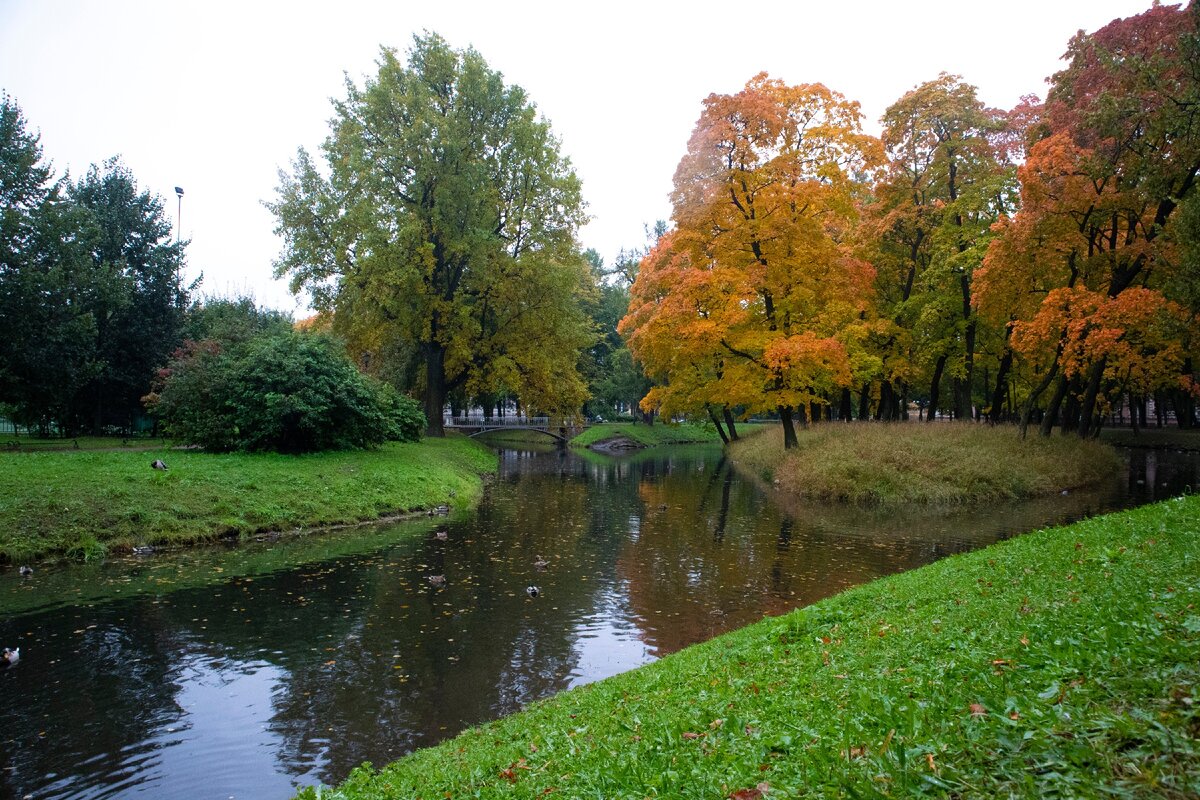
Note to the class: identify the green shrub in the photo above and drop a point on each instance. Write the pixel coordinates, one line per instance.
(285, 391)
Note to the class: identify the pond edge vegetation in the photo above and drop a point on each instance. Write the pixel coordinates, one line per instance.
(1063, 662)
(86, 503)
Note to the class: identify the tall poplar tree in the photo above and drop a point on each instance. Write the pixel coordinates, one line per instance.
(444, 226)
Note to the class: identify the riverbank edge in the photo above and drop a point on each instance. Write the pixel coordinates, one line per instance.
(81, 505)
(1066, 660)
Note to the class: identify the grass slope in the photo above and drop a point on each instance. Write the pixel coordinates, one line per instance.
(647, 435)
(939, 464)
(80, 503)
(1063, 663)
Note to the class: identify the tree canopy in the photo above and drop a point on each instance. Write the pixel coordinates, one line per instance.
(442, 230)
(743, 303)
(91, 300)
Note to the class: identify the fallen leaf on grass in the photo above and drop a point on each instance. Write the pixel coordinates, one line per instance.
(978, 710)
(751, 794)
(932, 766)
(690, 735)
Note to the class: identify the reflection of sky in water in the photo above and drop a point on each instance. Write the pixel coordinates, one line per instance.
(228, 705)
(607, 642)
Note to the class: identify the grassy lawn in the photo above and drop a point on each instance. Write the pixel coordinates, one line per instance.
(647, 435)
(1062, 663)
(942, 464)
(81, 503)
(32, 444)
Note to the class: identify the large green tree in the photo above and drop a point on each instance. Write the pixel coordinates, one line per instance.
(45, 325)
(137, 301)
(90, 296)
(444, 226)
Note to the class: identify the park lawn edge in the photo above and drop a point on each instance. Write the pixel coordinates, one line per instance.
(1064, 662)
(83, 504)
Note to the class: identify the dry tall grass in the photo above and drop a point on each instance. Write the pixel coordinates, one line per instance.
(944, 464)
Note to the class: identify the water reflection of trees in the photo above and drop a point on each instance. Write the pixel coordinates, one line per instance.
(372, 661)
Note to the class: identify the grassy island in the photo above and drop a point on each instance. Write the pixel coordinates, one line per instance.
(81, 503)
(938, 464)
(1062, 663)
(639, 435)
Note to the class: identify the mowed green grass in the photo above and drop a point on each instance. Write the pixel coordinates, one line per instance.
(659, 433)
(83, 503)
(1062, 663)
(937, 464)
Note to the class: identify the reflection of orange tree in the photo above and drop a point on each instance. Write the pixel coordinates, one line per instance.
(711, 556)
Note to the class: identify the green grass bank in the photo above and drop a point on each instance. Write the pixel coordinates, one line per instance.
(659, 433)
(83, 503)
(905, 464)
(1062, 663)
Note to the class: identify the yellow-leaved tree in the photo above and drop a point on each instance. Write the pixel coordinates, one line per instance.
(750, 300)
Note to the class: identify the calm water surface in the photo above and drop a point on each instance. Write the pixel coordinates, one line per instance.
(247, 672)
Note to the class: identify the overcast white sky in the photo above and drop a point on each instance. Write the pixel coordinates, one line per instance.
(216, 96)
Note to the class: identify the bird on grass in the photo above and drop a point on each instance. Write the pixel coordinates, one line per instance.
(158, 464)
(10, 656)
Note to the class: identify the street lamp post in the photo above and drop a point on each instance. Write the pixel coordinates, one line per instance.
(179, 216)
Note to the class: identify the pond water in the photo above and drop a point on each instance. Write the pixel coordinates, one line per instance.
(245, 672)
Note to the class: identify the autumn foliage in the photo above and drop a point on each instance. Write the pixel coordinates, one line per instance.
(746, 302)
(1039, 261)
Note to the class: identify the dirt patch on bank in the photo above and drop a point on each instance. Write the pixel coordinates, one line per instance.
(617, 444)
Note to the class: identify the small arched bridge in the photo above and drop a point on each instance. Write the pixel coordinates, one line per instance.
(562, 430)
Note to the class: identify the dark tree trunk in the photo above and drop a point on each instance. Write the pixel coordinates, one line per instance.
(934, 388)
(1051, 416)
(864, 402)
(846, 410)
(996, 409)
(1087, 424)
(814, 413)
(885, 401)
(1031, 403)
(435, 388)
(789, 429)
(717, 422)
(729, 424)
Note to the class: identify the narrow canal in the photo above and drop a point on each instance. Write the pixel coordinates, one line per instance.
(246, 672)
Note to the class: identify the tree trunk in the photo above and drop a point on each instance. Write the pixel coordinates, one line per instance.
(995, 410)
(934, 386)
(846, 410)
(789, 430)
(435, 388)
(715, 421)
(1087, 425)
(1031, 403)
(1051, 417)
(864, 402)
(885, 401)
(729, 424)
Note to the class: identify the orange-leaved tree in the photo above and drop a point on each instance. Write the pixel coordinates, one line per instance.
(747, 301)
(1079, 269)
